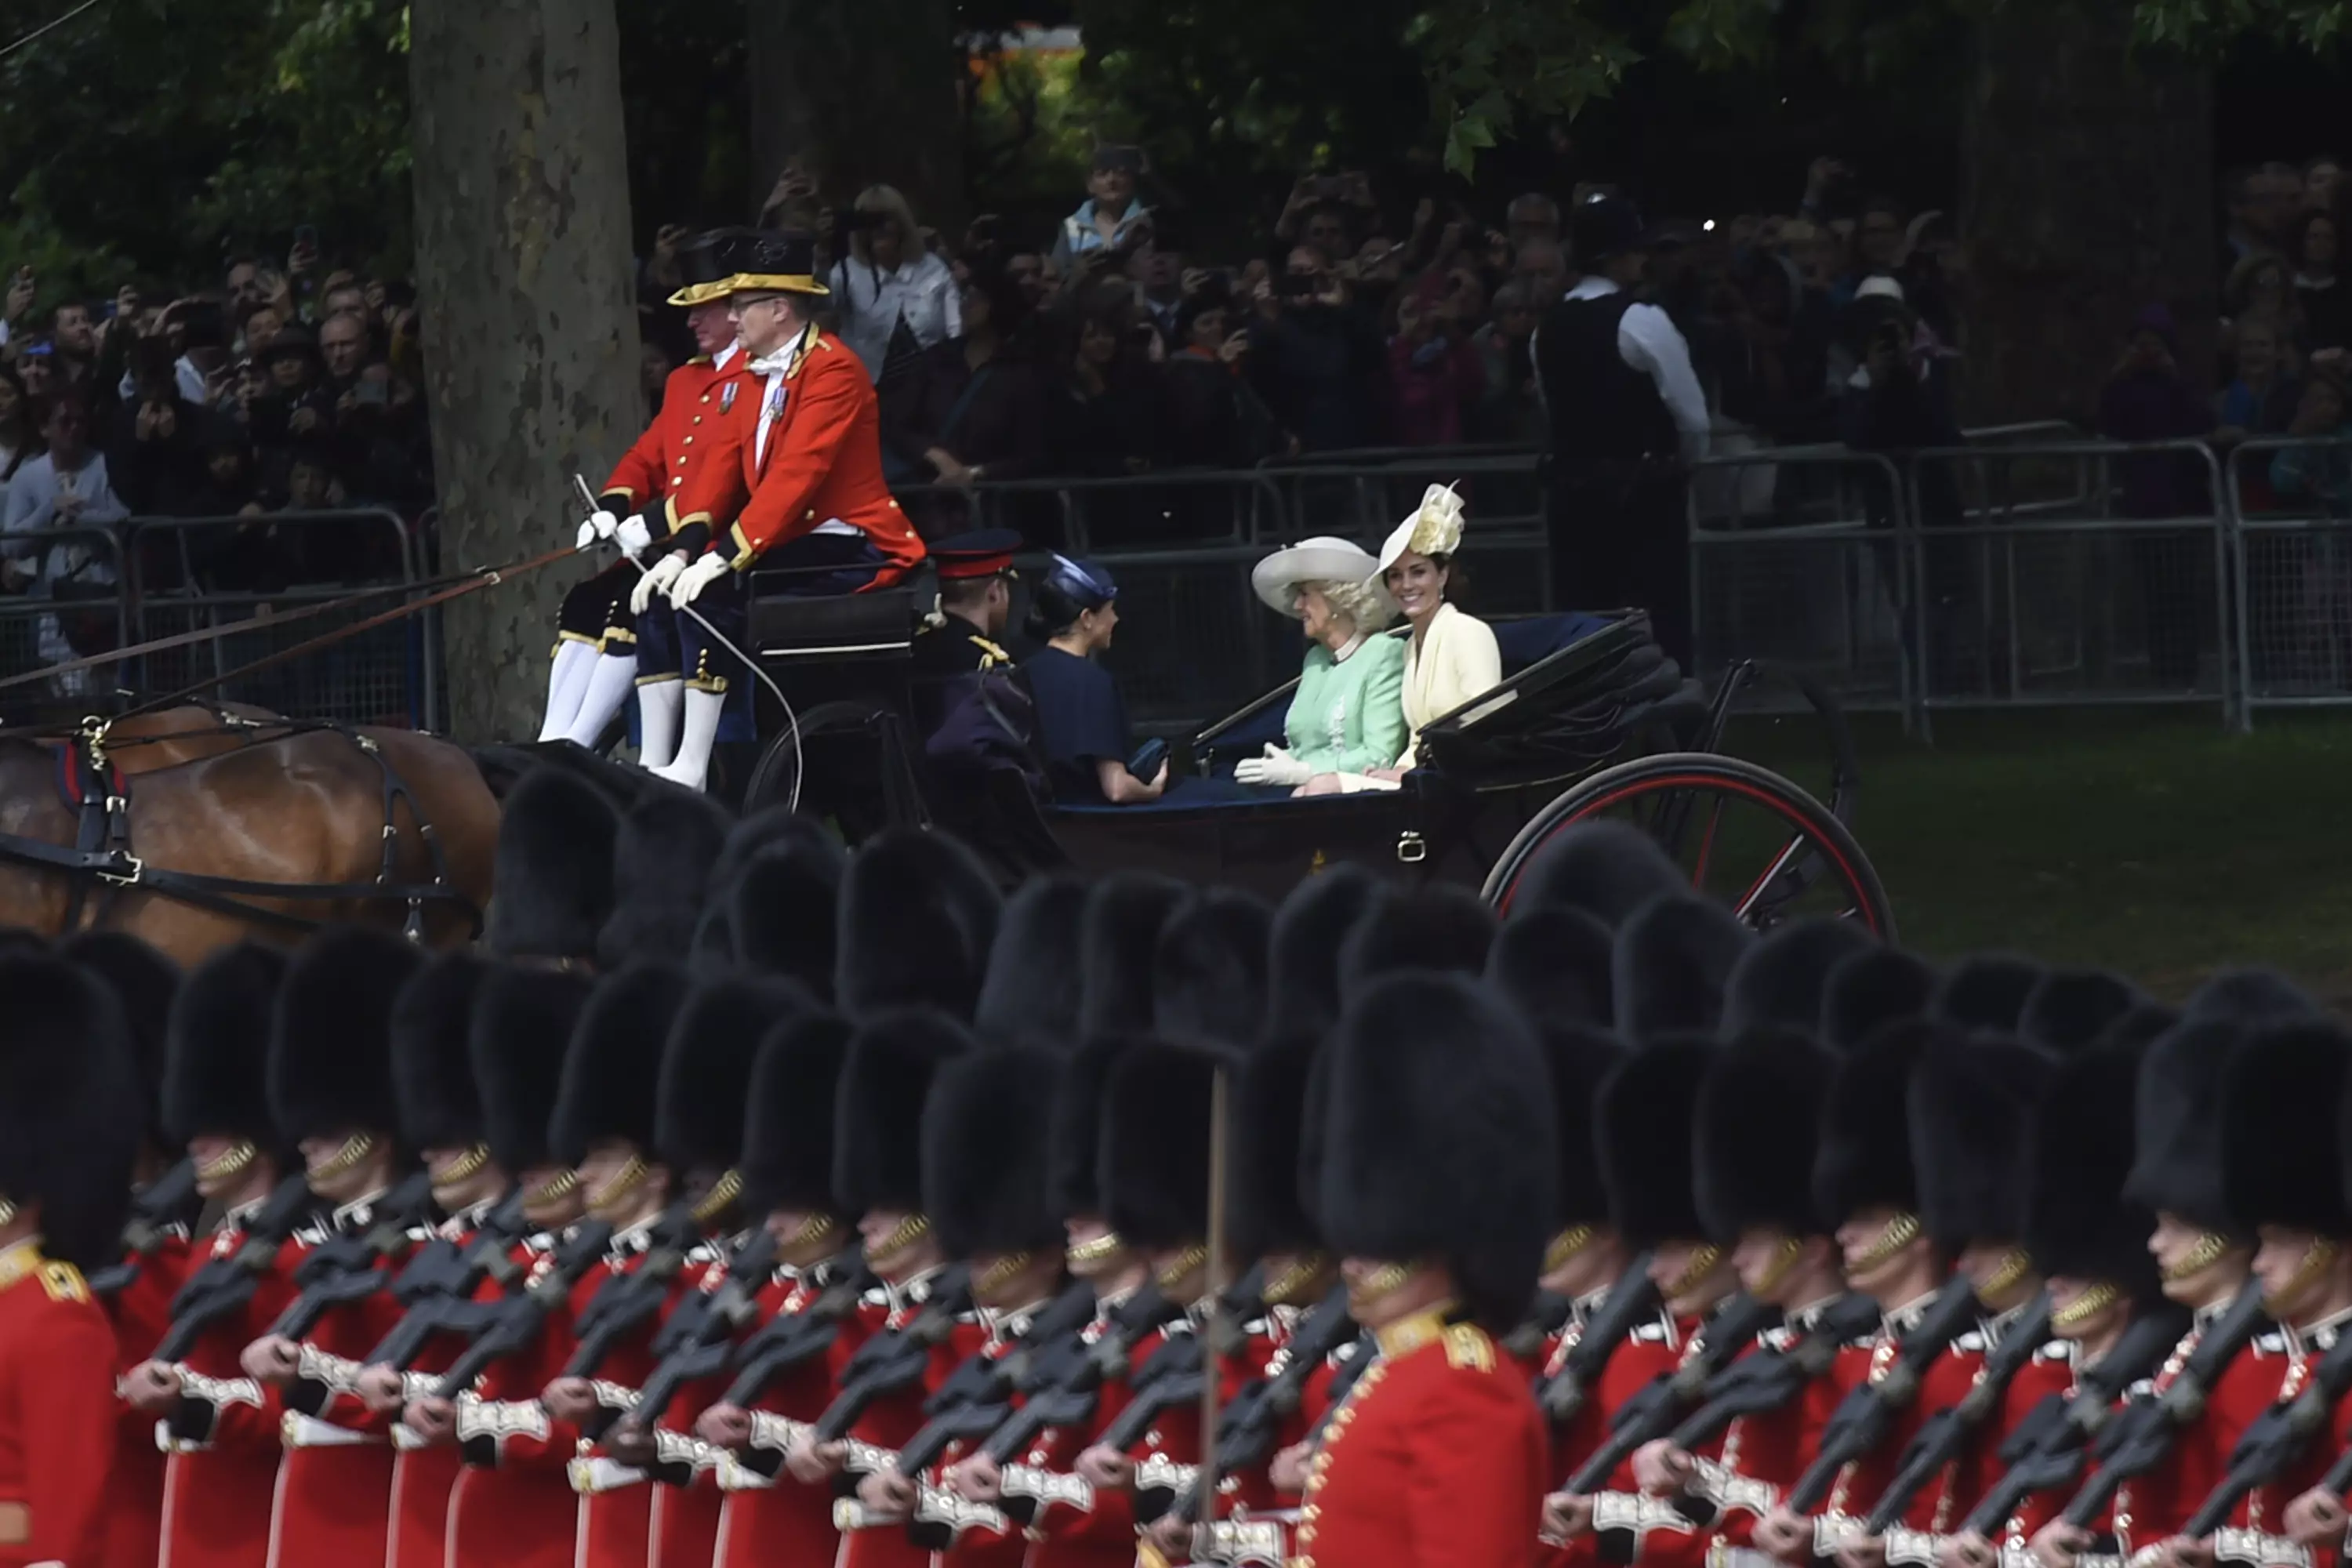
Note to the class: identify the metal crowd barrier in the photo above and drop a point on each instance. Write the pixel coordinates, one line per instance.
(64, 599)
(2292, 500)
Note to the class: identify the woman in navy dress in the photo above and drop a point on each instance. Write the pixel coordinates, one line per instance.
(1081, 719)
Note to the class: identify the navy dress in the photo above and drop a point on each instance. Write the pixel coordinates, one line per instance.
(1081, 720)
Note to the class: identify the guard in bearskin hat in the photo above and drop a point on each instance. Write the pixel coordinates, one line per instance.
(1553, 963)
(1871, 990)
(1609, 870)
(1036, 984)
(2203, 1251)
(70, 1120)
(2070, 1009)
(553, 868)
(1986, 992)
(1780, 981)
(1671, 965)
(1437, 1182)
(918, 914)
(782, 903)
(666, 854)
(1303, 946)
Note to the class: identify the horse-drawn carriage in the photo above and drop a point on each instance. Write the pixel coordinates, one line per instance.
(1591, 719)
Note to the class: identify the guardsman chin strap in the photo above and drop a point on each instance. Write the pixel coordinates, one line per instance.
(909, 1230)
(1703, 1260)
(7, 1211)
(720, 1198)
(2210, 1249)
(1567, 1245)
(356, 1149)
(230, 1162)
(1900, 1232)
(2015, 1265)
(625, 1180)
(462, 1169)
(555, 1189)
(2085, 1307)
(2318, 1259)
(1094, 1251)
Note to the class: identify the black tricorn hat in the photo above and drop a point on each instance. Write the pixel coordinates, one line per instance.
(1152, 1156)
(2251, 995)
(2176, 1129)
(2079, 1143)
(1076, 1122)
(1037, 977)
(1579, 1060)
(1607, 868)
(788, 1122)
(985, 1153)
(1310, 927)
(781, 904)
(1970, 1099)
(663, 858)
(144, 982)
(1865, 1160)
(706, 1072)
(1553, 964)
(1439, 928)
(1671, 965)
(1208, 972)
(1440, 1140)
(878, 1130)
(1603, 226)
(2072, 1008)
(1755, 1135)
(1118, 948)
(1987, 991)
(1866, 990)
(553, 868)
(523, 1020)
(215, 1071)
(2282, 1127)
(71, 1110)
(330, 1033)
(1641, 1124)
(1267, 1101)
(611, 1071)
(432, 1069)
(1779, 981)
(917, 916)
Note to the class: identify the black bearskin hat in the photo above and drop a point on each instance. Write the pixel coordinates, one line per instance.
(1756, 1134)
(878, 1130)
(2250, 997)
(611, 1071)
(552, 871)
(1553, 964)
(1986, 992)
(1609, 870)
(984, 1154)
(144, 982)
(2282, 1127)
(1118, 948)
(1440, 1140)
(521, 1032)
(706, 1071)
(2140, 1026)
(1864, 1156)
(781, 904)
(1578, 1060)
(2078, 1152)
(788, 1125)
(663, 859)
(2176, 1129)
(432, 1069)
(1035, 973)
(71, 1110)
(1869, 990)
(1267, 1100)
(1970, 1099)
(1077, 1124)
(1153, 1159)
(1672, 962)
(1642, 1127)
(330, 1033)
(2072, 1008)
(216, 1067)
(918, 917)
(1208, 972)
(1441, 928)
(1310, 928)
(1779, 981)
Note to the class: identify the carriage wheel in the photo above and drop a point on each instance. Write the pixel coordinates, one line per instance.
(847, 762)
(1741, 833)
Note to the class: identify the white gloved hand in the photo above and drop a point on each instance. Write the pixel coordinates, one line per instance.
(712, 567)
(633, 534)
(658, 576)
(599, 525)
(1277, 767)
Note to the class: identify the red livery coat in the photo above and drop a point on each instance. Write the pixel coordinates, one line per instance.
(56, 1410)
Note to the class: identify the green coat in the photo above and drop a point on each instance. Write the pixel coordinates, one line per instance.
(1348, 716)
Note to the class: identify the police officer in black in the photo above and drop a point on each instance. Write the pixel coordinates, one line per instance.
(1627, 419)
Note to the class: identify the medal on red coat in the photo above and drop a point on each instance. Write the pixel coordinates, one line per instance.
(727, 397)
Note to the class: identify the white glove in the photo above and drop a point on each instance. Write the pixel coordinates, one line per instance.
(1277, 767)
(658, 576)
(712, 567)
(633, 534)
(598, 526)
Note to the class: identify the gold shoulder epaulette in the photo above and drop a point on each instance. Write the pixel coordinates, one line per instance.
(63, 1282)
(701, 359)
(1468, 1346)
(996, 654)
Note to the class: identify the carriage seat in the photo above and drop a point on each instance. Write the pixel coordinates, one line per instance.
(879, 624)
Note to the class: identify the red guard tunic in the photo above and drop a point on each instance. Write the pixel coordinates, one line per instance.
(1437, 1458)
(2151, 1509)
(142, 1314)
(890, 1422)
(57, 1412)
(687, 1500)
(983, 1536)
(1073, 1525)
(779, 1522)
(1651, 1351)
(1628, 1525)
(2256, 1533)
(1256, 1519)
(513, 1506)
(616, 1500)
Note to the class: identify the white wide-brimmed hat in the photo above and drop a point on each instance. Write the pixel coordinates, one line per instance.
(1434, 529)
(1319, 560)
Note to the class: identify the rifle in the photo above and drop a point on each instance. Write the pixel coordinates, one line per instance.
(2136, 1441)
(1630, 1300)
(224, 1286)
(625, 1303)
(788, 1340)
(1941, 1438)
(347, 1268)
(515, 1323)
(1652, 1412)
(1069, 1385)
(438, 1282)
(2046, 1451)
(1862, 1420)
(2278, 1437)
(168, 1201)
(1545, 1319)
(2339, 1478)
(896, 1358)
(699, 1337)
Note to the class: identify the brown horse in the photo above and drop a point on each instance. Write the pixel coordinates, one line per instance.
(301, 807)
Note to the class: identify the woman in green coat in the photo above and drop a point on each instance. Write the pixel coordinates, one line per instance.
(1347, 714)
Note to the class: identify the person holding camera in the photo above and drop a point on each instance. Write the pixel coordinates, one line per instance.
(895, 297)
(1318, 360)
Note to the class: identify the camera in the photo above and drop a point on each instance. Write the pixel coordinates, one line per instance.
(1297, 285)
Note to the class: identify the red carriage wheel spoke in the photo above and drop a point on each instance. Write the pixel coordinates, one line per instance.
(1707, 848)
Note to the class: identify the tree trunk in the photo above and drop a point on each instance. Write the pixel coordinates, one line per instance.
(2086, 196)
(894, 118)
(529, 332)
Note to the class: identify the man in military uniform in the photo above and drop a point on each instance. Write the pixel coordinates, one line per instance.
(70, 1120)
(597, 648)
(975, 573)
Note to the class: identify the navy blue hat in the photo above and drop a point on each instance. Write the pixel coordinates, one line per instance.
(1089, 583)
